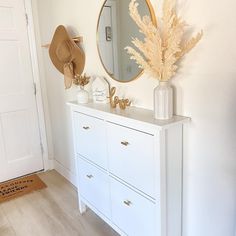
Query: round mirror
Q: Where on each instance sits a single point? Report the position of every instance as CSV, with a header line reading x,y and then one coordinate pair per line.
x,y
114,32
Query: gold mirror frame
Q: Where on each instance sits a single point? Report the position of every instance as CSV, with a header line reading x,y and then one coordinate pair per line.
x,y
153,18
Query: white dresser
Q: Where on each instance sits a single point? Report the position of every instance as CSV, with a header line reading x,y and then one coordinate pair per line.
x,y
129,168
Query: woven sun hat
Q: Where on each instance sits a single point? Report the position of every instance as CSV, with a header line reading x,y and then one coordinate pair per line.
x,y
66,55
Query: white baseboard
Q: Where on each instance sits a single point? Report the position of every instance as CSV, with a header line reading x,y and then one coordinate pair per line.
x,y
50,164
71,177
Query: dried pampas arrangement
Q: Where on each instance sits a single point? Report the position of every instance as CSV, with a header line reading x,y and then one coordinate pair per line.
x,y
163,45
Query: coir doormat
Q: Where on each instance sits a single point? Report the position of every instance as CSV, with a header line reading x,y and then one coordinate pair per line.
x,y
20,186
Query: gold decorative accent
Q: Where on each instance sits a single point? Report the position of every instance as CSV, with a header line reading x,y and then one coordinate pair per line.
x,y
123,103
125,143
78,39
89,176
111,95
81,80
154,21
127,203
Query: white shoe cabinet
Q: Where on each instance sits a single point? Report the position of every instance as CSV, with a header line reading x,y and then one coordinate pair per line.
x,y
129,168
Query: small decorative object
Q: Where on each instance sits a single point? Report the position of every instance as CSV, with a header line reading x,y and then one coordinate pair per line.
x,y
82,94
123,103
100,90
162,48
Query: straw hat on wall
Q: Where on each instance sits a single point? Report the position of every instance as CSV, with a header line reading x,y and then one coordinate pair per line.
x,y
66,55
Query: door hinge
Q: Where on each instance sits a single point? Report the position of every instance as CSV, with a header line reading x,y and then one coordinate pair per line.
x,y
42,149
35,89
27,19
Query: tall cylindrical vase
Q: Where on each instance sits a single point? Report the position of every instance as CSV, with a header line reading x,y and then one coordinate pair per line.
x,y
163,101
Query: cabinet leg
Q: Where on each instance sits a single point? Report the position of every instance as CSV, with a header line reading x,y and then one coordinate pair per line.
x,y
82,207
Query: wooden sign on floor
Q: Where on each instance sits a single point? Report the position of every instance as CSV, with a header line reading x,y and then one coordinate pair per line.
x,y
20,186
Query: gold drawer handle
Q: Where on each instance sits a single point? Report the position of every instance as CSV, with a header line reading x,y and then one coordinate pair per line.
x,y
89,176
128,203
86,127
125,143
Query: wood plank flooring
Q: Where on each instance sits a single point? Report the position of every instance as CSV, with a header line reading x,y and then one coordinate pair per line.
x,y
49,212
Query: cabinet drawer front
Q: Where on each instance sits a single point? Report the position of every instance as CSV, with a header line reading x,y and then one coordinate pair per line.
x,y
132,213
131,157
94,187
91,139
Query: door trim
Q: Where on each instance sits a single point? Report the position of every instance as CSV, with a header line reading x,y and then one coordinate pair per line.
x,y
36,80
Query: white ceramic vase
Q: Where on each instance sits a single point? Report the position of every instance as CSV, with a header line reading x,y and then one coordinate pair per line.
x,y
82,96
163,101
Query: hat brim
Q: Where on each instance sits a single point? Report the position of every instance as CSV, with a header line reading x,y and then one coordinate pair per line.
x,y
78,61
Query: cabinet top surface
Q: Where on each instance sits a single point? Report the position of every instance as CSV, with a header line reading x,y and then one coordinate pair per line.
x,y
131,113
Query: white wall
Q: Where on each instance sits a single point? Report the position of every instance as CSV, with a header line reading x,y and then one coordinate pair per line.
x,y
205,91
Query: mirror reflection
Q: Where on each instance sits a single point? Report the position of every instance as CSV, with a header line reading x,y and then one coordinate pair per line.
x,y
115,32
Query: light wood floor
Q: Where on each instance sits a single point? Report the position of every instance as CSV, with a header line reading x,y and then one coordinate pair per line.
x,y
50,212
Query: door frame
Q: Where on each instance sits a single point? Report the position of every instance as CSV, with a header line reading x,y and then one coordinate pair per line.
x,y
36,80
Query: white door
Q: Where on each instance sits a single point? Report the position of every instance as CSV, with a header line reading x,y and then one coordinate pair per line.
x,y
20,151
